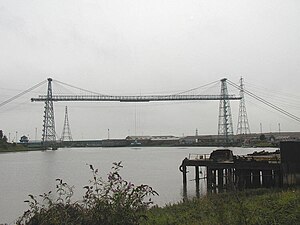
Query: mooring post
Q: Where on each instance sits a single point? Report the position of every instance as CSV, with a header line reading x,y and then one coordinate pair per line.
x,y
182,169
184,182
184,176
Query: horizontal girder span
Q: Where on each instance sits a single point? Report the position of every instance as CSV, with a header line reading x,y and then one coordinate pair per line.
x,y
141,98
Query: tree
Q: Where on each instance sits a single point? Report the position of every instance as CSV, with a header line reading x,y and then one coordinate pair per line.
x,y
262,137
4,139
1,134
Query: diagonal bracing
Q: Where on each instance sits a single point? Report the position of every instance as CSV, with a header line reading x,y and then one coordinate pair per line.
x,y
66,133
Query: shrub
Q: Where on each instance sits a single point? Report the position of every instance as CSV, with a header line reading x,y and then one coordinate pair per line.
x,y
112,201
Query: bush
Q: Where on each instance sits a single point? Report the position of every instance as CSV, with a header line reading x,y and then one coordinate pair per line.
x,y
112,201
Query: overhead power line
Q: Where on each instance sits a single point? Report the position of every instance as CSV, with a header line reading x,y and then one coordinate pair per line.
x,y
271,105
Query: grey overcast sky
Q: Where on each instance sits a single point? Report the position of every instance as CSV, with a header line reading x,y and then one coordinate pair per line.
x,y
123,47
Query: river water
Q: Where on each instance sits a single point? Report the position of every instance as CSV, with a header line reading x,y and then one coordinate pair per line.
x,y
24,173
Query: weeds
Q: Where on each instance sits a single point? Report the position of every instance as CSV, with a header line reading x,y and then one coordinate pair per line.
x,y
111,201
249,207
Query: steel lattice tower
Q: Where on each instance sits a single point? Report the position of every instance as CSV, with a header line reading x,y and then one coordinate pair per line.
x,y
243,125
66,133
49,135
225,128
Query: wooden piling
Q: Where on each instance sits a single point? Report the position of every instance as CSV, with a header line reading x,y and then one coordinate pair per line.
x,y
214,180
256,179
220,179
209,178
197,180
267,178
230,179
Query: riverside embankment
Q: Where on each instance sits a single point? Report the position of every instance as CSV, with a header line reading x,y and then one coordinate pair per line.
x,y
260,206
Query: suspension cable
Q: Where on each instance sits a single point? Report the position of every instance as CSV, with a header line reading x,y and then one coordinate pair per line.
x,y
22,93
286,113
92,92
81,89
179,93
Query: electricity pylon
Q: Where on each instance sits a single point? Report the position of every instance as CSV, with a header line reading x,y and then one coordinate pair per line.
x,y
243,124
66,133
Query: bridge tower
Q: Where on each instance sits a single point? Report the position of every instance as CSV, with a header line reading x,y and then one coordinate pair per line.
x,y
225,128
66,133
49,135
243,125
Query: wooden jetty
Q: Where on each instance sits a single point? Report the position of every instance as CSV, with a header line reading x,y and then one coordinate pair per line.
x,y
223,170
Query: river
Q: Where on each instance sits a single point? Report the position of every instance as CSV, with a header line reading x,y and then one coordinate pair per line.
x,y
24,173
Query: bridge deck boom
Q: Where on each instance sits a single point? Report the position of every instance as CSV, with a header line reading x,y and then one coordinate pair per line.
x,y
141,98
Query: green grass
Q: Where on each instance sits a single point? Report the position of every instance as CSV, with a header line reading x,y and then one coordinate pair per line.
x,y
259,206
8,147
